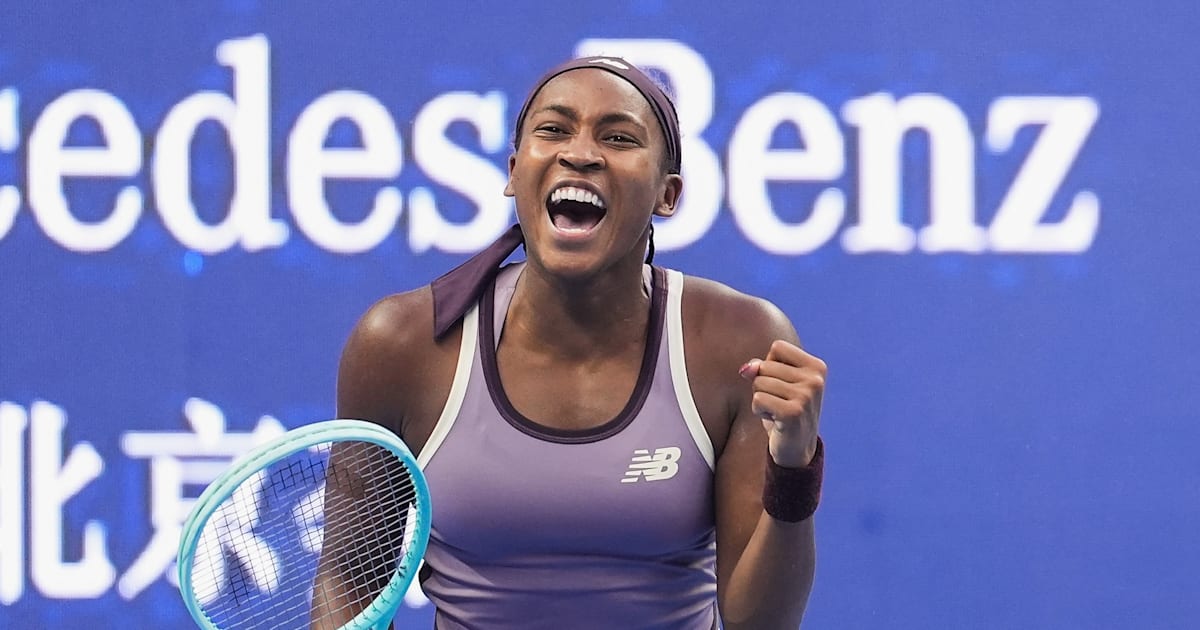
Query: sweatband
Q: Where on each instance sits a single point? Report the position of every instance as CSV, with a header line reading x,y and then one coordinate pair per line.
x,y
792,494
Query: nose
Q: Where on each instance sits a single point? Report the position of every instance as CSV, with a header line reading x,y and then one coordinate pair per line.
x,y
581,154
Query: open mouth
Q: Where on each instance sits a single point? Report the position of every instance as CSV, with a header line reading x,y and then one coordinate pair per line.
x,y
574,209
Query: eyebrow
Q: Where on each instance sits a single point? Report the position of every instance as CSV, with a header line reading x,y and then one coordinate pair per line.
x,y
610,118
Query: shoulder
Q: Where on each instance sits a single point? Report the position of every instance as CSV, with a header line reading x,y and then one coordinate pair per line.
x,y
723,328
397,321
391,367
731,320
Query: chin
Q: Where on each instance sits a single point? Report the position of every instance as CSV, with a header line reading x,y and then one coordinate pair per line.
x,y
570,266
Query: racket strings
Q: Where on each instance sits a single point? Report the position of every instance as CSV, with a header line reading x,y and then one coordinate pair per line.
x,y
365,535
330,523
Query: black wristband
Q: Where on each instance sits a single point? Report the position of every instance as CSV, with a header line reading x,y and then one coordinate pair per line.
x,y
792,494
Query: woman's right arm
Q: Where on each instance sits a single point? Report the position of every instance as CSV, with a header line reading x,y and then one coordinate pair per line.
x,y
390,373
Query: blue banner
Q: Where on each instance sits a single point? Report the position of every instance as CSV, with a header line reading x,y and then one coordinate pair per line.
x,y
982,216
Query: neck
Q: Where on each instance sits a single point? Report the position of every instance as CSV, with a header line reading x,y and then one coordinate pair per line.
x,y
603,315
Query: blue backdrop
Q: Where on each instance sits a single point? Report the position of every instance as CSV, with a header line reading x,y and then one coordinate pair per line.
x,y
982,215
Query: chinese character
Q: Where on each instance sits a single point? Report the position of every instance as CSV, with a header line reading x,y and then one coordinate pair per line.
x,y
12,502
177,460
52,482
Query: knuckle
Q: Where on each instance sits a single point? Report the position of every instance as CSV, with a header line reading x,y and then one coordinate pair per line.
x,y
821,366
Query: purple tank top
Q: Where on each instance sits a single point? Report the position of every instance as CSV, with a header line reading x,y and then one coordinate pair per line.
x,y
533,527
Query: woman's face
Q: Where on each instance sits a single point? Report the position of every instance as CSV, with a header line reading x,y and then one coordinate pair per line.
x,y
588,173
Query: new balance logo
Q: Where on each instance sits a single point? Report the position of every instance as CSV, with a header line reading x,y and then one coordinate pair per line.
x,y
663,464
610,62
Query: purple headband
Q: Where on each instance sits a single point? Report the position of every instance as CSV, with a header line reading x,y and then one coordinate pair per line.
x,y
664,109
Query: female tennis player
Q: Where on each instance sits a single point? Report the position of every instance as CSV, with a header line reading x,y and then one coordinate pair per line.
x,y
608,444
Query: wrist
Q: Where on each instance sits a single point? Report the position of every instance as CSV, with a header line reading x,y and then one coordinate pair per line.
x,y
792,494
792,453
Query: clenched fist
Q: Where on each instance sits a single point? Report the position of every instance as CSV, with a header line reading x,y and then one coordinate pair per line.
x,y
788,386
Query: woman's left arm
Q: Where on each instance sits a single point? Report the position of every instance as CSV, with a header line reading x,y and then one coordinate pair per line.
x,y
766,556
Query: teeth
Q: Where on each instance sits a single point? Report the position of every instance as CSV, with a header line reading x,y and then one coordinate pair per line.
x,y
571,193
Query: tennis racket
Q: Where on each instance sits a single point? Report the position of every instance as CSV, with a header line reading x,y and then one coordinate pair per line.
x,y
322,527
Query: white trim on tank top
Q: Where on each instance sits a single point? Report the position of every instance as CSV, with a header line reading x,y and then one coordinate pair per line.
x,y
679,377
458,390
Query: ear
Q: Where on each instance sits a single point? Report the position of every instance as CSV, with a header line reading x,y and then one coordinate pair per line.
x,y
508,187
672,189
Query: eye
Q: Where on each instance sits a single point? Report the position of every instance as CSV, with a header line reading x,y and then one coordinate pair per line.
x,y
622,138
550,128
